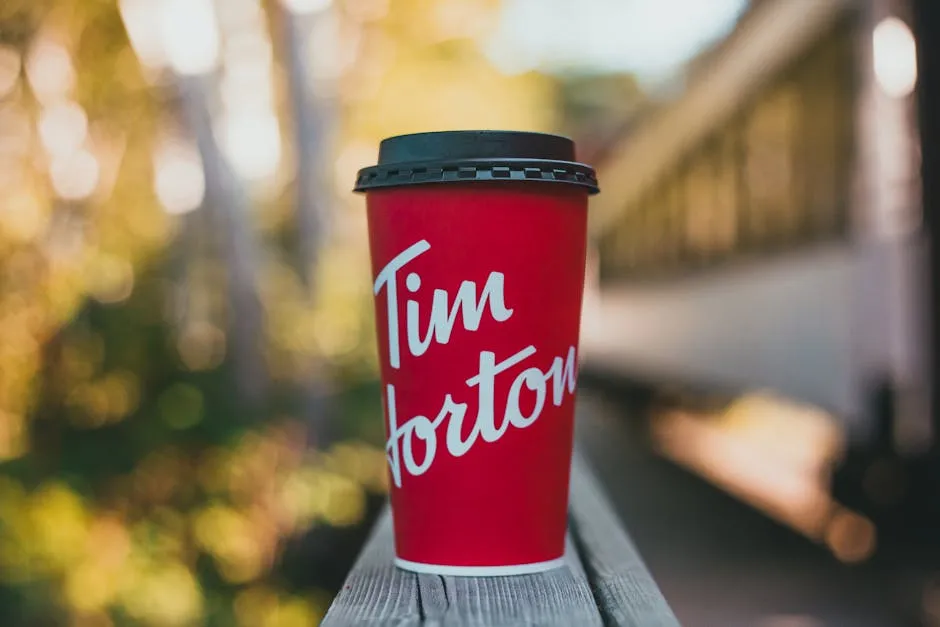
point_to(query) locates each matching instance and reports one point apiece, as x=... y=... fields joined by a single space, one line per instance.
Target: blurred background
x=190 y=423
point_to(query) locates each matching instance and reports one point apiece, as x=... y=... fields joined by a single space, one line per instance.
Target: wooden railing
x=604 y=581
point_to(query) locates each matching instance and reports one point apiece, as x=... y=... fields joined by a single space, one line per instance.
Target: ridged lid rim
x=468 y=156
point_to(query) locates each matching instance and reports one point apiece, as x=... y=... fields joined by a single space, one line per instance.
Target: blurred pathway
x=719 y=562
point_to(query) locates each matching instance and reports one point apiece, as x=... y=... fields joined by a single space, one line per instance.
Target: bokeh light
x=305 y=7
x=851 y=537
x=144 y=31
x=201 y=346
x=50 y=69
x=63 y=127
x=252 y=142
x=895 y=57
x=24 y=216
x=190 y=34
x=75 y=176
x=179 y=178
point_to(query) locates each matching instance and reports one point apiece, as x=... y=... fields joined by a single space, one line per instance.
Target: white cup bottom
x=479 y=571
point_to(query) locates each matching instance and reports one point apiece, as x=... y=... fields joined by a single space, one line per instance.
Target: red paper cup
x=478 y=252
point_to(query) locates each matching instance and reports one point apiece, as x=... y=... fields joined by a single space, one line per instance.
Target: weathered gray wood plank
x=378 y=593
x=625 y=591
x=611 y=587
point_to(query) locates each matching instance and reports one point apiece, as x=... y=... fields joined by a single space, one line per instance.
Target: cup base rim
x=479 y=571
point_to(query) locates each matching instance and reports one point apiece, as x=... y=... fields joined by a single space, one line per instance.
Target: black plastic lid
x=466 y=156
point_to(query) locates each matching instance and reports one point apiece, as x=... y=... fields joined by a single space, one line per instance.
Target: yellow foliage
x=315 y=493
x=300 y=498
x=109 y=278
x=12 y=435
x=59 y=523
x=253 y=605
x=345 y=503
x=433 y=75
x=24 y=216
x=90 y=587
x=232 y=541
x=163 y=595
x=98 y=618
x=360 y=462
x=263 y=607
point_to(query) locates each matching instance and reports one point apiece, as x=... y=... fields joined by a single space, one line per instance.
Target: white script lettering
x=443 y=316
x=401 y=439
x=420 y=431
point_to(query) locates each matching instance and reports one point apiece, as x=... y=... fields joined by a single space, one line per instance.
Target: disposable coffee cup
x=478 y=240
